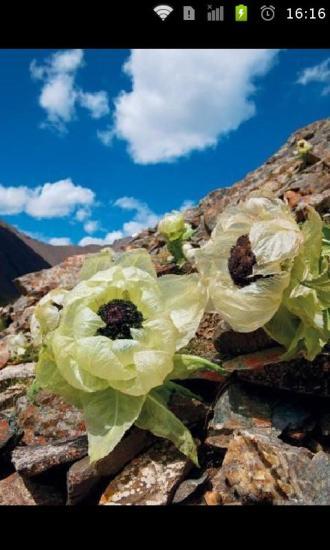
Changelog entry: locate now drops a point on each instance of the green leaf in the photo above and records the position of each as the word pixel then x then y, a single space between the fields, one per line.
pixel 326 241
pixel 95 263
pixel 282 327
pixel 158 419
pixel 186 365
pixel 181 390
pixel 175 249
pixel 108 415
pixel 49 377
pixel 189 232
pixel 322 286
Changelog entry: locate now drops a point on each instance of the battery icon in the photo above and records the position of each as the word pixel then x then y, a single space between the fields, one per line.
pixel 241 13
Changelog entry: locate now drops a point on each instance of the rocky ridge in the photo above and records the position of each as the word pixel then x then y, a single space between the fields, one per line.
pixel 263 434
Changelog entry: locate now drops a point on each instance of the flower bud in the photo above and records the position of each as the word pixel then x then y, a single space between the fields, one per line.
pixel 303 147
pixel 172 226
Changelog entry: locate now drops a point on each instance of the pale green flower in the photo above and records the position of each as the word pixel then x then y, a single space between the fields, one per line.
pixel 303 147
pixel 46 315
pixel 175 231
pixel 172 226
pixel 302 324
pixel 18 345
pixel 116 345
pixel 246 264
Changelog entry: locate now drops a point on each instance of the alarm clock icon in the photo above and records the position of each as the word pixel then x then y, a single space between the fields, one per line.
pixel 267 13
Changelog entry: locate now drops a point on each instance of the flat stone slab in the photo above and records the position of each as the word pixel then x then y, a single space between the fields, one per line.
pixel 13 374
pixel 33 460
pixel 149 479
pixel 17 491
pixel 297 375
pixel 244 406
pixel 48 419
pixel 9 396
pixel 83 476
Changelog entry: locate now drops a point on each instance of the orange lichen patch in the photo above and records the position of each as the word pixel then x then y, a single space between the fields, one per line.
pixel 254 361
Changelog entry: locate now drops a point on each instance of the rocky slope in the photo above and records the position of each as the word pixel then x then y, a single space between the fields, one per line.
pixel 20 254
pixel 263 435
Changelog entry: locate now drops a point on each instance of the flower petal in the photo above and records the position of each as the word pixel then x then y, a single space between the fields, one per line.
pixel 151 369
pixel 95 355
pixel 249 308
pixel 184 299
pixel 275 240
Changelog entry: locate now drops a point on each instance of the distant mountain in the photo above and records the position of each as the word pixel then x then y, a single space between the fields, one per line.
pixel 20 254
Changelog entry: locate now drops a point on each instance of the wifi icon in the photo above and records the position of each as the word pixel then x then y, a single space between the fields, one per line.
pixel 163 11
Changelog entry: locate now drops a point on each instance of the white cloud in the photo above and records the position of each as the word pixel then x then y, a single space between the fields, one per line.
pixel 186 204
pixel 143 217
pixel 60 241
pixel 82 214
pixel 13 199
pixel 96 103
pixel 59 94
pixel 318 73
pixel 91 226
pixel 51 200
pixel 106 136
pixel 185 100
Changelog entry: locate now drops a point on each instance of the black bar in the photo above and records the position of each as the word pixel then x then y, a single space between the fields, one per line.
pixel 135 24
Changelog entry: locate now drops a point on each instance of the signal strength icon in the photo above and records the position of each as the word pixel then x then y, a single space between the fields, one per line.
pixel 163 11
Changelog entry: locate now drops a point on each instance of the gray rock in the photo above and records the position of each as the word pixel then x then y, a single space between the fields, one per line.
pixel 239 407
pixel 32 460
pixel 188 487
pixel 149 479
pixel 14 374
pixel 9 396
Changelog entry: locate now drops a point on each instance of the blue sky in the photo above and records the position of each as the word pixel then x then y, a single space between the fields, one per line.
pixel 91 150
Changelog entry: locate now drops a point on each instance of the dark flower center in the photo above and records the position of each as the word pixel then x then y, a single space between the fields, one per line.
pixel 241 262
pixel 119 316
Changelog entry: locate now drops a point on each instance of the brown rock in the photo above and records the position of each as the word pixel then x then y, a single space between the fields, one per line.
pixel 4 353
pixel 17 491
pixel 297 375
pixel 260 469
pixel 48 419
pixel 190 411
pixel 8 430
pixel 292 197
pixel 32 460
pixel 64 275
pixel 150 479
pixel 229 342
pixel 202 343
